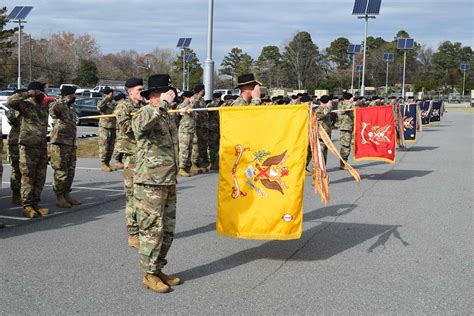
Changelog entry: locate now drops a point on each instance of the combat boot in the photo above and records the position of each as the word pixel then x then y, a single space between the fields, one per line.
pixel 16 198
pixel 29 211
pixel 154 283
pixel 133 241
pixel 118 165
pixel 195 169
pixel 183 173
pixel 61 201
pixel 106 167
pixel 169 279
pixel 71 200
pixel 43 211
pixel 214 166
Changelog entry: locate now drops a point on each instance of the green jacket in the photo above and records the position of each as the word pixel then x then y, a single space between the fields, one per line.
pixel 157 146
pixel 64 123
pixel 125 142
pixel 33 119
pixel 241 101
pixel 187 123
pixel 346 118
pixel 324 118
pixel 13 118
pixel 107 106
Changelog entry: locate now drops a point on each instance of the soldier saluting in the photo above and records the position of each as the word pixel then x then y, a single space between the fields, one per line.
pixel 155 181
pixel 249 91
pixel 32 146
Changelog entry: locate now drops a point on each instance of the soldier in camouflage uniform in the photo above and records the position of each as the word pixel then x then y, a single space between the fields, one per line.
pixel 13 118
pixel 107 130
pixel 32 146
pixel 63 147
pixel 127 146
pixel 186 131
pixel 249 91
pixel 155 181
pixel 346 126
pixel 214 132
pixel 199 156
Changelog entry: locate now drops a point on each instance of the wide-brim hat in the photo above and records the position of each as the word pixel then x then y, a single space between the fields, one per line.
pixel 161 83
pixel 246 80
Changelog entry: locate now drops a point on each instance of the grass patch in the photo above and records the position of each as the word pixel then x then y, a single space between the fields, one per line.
pixel 88 148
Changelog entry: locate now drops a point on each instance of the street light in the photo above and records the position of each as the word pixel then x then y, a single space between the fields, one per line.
pixel 18 15
pixel 363 8
pixel 353 49
pixel 464 69
pixel 405 44
pixel 359 69
pixel 209 63
pixel 388 57
pixel 184 43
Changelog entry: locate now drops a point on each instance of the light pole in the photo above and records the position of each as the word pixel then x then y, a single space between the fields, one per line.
pixel 405 44
pixel 388 57
pixel 353 49
pixel 363 8
pixel 184 43
pixel 18 15
pixel 464 69
pixel 208 75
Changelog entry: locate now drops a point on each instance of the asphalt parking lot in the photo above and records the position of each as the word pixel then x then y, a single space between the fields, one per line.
pixel 400 242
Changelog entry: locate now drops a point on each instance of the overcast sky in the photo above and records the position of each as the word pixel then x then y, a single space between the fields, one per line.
pixel 145 24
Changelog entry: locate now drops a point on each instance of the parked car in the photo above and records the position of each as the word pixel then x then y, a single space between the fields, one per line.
pixel 4 94
pixel 89 94
pixel 86 107
pixel 54 92
pixel 6 126
pixel 225 92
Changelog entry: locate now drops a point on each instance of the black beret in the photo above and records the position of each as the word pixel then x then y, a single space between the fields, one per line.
pixel 107 90
pixel 299 95
pixel 217 95
pixel 305 98
pixel 325 99
pixel 36 85
pixel 198 88
pixel 294 97
pixel 133 82
pixel 347 95
pixel 119 97
pixel 187 94
pixel 68 90
pixel 228 97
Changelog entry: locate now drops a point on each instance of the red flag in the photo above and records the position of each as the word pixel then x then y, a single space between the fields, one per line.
pixel 375 134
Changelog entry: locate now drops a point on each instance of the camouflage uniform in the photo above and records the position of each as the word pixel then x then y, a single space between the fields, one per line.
pixel 1 157
pixel 32 146
pixel 187 128
pixel 346 127
pixel 63 145
pixel 155 183
pixel 127 146
pixel 241 101
pixel 13 151
pixel 325 121
pixel 107 130
pixel 201 137
pixel 214 133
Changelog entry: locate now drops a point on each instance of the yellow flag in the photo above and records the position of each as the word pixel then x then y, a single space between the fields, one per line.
pixel 261 171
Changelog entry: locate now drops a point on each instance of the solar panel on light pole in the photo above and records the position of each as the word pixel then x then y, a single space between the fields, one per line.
pixel 353 49
pixel 388 57
pixel 184 43
pixel 405 44
pixel 365 9
pixel 18 15
pixel 464 69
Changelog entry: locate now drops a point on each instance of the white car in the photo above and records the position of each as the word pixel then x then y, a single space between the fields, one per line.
pixel 4 94
pixel 6 126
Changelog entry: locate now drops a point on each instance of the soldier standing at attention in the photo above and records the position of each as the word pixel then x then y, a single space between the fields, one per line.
pixel 187 128
pixel 249 91
pixel 107 130
pixel 13 118
pixel 346 126
pixel 155 181
pixel 32 146
pixel 63 147
pixel 214 132
pixel 199 156
pixel 127 146
pixel 228 99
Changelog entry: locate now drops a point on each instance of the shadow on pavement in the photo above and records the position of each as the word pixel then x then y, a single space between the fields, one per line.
pixel 397 175
pixel 322 242
pixel 421 148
